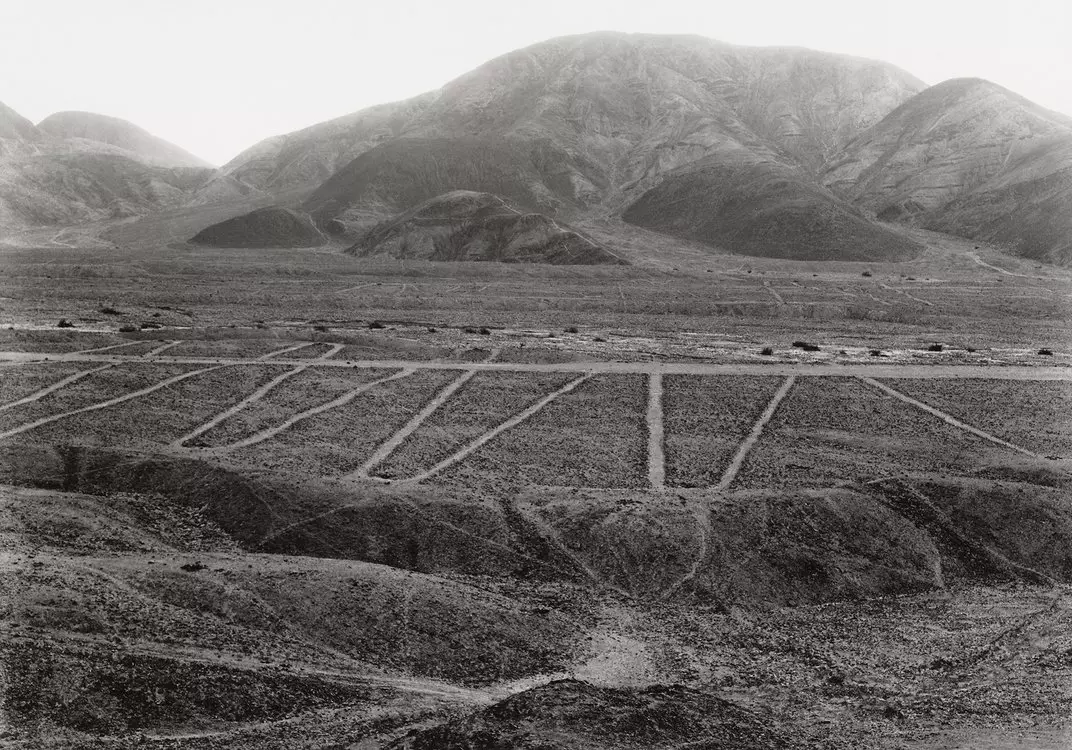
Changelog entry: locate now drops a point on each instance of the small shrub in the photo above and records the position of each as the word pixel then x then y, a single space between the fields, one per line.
pixel 193 567
pixel 1046 352
pixel 572 329
pixel 485 332
pixel 867 274
pixel 64 323
pixel 127 329
pixel 261 325
pixel 935 348
pixel 376 325
pixel 970 349
pixel 767 351
pixel 321 327
pixel 431 330
pixel 109 311
pixel 876 353
pixel 600 339
pixel 147 325
pixel 806 346
pixel 467 329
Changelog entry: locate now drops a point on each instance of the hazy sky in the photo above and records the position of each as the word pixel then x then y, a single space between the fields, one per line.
pixel 215 76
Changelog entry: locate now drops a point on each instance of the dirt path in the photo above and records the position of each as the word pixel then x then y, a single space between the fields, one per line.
pixel 783 369
pixel 54 387
pixel 979 261
pixel 105 404
pixel 773 293
pixel 107 348
pixel 387 448
pixel 949 419
pixel 492 434
pixel 271 432
pixel 252 398
pixel 656 459
pixel 757 429
pixel 335 349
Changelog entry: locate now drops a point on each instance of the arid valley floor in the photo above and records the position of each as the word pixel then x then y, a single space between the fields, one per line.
pixel 305 500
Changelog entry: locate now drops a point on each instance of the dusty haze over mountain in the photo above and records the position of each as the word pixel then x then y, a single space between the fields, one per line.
pixel 217 77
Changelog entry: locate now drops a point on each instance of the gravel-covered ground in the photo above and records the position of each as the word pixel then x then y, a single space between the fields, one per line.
pixel 592 436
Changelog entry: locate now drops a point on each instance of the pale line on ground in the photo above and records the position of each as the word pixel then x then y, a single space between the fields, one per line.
pixel 742 452
pixel 704 526
pixel 495 432
pixel 54 387
pixel 335 349
pixel 252 398
pixel 285 350
pixel 163 348
pixel 106 348
pixel 387 448
pixel 656 458
pixel 340 401
pixel 773 293
pixel 947 418
pixel 109 402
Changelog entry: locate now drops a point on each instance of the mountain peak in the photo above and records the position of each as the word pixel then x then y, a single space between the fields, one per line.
pixel 120 133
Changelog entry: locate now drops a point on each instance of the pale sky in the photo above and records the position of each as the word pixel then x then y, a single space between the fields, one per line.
pixel 216 76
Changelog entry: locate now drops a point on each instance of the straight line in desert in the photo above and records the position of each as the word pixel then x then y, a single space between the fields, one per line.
pixel 495 432
pixel 53 388
pixel 342 400
pixel 947 418
pixel 286 350
pixel 388 447
pixel 784 369
pixel 160 349
pixel 107 348
pixel 335 349
pixel 109 402
pixel 252 398
pixel 656 457
pixel 757 429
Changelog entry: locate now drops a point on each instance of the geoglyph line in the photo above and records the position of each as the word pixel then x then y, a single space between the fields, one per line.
pixel 757 429
pixel 163 348
pixel 109 402
pixel 495 432
pixel 703 524
pixel 252 398
pixel 285 350
pixel 947 418
pixel 656 457
pixel 335 349
pixel 342 400
pixel 107 348
pixel 387 448
pixel 54 387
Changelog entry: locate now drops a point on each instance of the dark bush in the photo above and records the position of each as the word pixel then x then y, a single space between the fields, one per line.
pixel 806 346
pixel 321 327
pixel 1046 352
pixel 935 348
pixel 127 329
pixel 571 329
pixel 109 311
pixel 376 325
pixel 767 351
pixel 485 332
pixel 866 273
pixel 467 329
pixel 149 325
pixel 64 323
pixel 876 352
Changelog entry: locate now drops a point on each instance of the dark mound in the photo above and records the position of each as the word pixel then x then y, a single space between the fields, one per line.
pixel 764 209
pixel 398 175
pixel 464 225
pixel 575 715
pixel 265 227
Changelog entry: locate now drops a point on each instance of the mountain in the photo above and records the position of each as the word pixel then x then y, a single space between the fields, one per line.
pixel 464 225
pixel 265 227
pixel 51 177
pixel 113 131
pixel 971 158
pixel 586 125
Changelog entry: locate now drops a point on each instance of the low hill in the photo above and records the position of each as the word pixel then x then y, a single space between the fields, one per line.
pixel 466 225
pixel 752 206
pixel 266 227
pixel 120 133
pixel 400 174
pixel 14 130
pixel 574 715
